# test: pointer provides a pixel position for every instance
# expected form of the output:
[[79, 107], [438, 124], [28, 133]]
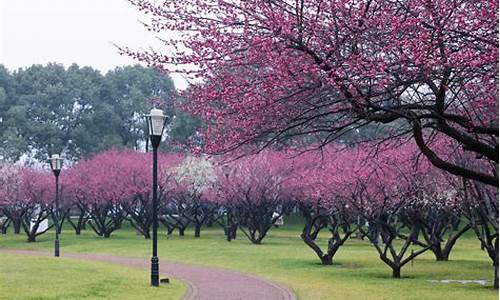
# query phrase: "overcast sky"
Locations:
[[71, 31]]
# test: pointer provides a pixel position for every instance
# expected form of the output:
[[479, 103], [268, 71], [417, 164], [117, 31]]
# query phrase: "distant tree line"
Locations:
[[78, 111]]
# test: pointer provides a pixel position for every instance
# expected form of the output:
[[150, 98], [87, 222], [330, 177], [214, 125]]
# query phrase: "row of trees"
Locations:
[[395, 199], [78, 111]]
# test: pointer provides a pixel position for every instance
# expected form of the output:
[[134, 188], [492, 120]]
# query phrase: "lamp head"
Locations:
[[156, 124], [56, 163]]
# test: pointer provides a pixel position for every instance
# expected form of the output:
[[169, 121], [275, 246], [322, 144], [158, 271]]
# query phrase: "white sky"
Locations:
[[71, 31]]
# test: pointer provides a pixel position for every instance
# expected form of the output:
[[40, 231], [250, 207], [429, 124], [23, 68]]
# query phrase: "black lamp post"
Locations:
[[56, 165], [156, 123], [229, 221]]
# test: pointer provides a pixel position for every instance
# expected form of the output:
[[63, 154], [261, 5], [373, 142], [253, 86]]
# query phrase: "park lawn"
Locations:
[[30, 277], [357, 273]]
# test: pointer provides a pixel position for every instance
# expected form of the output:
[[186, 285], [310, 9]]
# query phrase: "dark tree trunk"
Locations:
[[439, 254], [230, 228], [385, 229], [495, 264], [30, 219], [337, 222], [181, 231], [396, 272], [17, 225], [495, 282], [197, 230], [80, 224], [233, 230], [5, 226], [106, 219], [327, 260], [170, 229], [442, 251]]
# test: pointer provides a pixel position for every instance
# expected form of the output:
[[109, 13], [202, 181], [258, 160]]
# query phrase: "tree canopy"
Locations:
[[78, 111], [272, 70]]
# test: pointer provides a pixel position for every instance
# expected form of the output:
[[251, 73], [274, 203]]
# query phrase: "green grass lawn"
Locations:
[[29, 277], [357, 273]]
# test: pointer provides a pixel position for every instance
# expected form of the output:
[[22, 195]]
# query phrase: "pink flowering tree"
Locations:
[[254, 188], [136, 189], [38, 197], [480, 208], [482, 212], [27, 199], [77, 197], [11, 210], [440, 206], [272, 70], [320, 190], [114, 186], [382, 193], [100, 184]]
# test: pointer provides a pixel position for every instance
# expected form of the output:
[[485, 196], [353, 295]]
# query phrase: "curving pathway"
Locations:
[[204, 283]]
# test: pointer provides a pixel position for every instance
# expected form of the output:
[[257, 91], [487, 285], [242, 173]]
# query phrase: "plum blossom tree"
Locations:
[[321, 197], [10, 182], [188, 186], [37, 197], [271, 70], [383, 194], [255, 191], [100, 184], [114, 186], [77, 198], [481, 210], [336, 217], [136, 200], [440, 208]]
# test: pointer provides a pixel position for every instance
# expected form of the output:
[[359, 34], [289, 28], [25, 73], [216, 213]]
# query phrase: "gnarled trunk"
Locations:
[[327, 259], [197, 230], [396, 272], [16, 223]]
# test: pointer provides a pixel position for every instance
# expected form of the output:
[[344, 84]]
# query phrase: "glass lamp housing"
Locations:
[[156, 122], [56, 162]]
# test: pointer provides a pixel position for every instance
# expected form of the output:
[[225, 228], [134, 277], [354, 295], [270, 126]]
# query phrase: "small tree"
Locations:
[[254, 190], [76, 195], [481, 208], [320, 189], [440, 208], [10, 189], [138, 195], [38, 196], [101, 184], [381, 194], [338, 218]]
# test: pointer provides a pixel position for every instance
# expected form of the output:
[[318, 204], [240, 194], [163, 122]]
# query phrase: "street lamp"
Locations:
[[156, 124], [56, 165]]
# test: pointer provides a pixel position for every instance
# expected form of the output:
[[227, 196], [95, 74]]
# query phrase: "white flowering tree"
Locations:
[[187, 203]]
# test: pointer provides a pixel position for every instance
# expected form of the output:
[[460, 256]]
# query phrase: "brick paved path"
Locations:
[[204, 283]]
